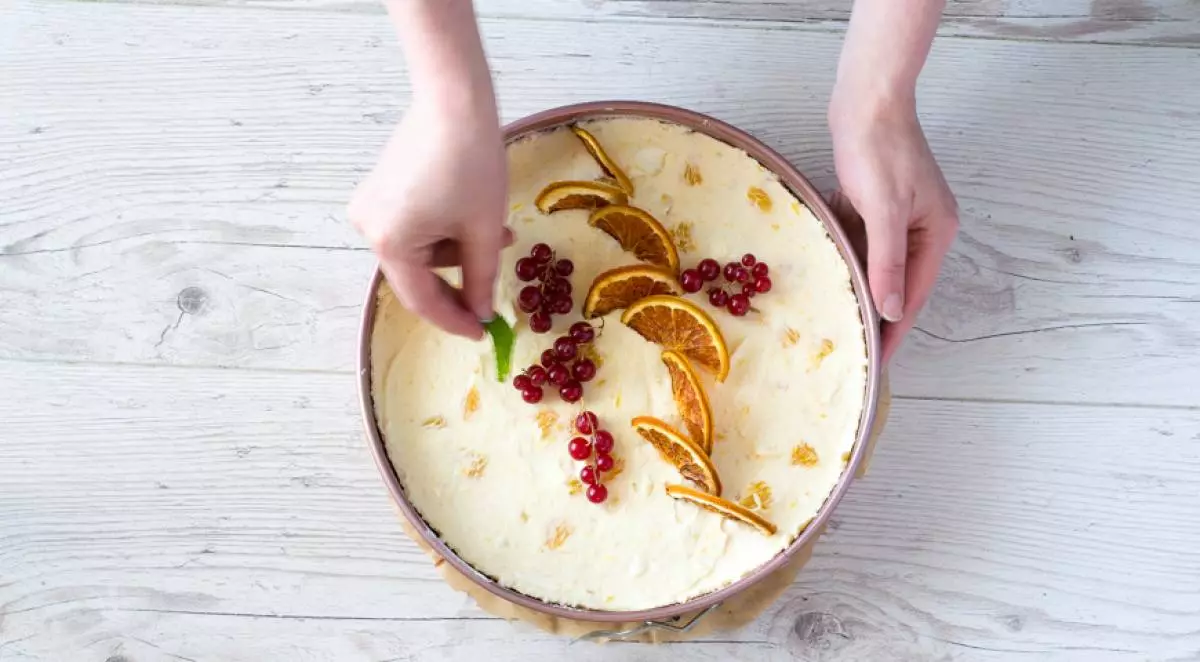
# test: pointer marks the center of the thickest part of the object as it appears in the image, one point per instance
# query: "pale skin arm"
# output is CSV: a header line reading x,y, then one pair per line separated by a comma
x,y
884,164
437,194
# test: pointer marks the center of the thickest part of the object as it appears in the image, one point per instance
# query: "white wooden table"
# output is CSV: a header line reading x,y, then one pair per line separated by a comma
x,y
182,473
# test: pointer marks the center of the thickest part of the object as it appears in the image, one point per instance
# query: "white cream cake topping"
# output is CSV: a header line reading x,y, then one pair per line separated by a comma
x,y
491,473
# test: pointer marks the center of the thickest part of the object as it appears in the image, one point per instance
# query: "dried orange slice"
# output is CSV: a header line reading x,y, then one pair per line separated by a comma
x,y
602,158
678,324
578,195
617,288
691,460
690,399
638,233
722,507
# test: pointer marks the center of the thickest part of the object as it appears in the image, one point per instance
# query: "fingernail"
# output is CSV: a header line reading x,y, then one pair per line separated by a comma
x,y
484,312
893,308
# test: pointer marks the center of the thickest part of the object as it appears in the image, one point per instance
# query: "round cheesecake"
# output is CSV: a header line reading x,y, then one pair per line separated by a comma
x,y
491,474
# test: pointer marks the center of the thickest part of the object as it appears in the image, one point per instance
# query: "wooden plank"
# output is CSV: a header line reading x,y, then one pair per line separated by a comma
x,y
1154,22
186,513
181,200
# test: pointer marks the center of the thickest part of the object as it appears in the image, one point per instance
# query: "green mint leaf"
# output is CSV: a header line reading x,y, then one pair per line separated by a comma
x,y
502,344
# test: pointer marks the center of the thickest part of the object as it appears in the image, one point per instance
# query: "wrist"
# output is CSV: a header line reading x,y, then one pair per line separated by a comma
x,y
855,101
446,62
884,51
460,98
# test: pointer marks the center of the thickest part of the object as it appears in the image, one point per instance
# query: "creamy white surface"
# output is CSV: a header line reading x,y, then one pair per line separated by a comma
x,y
642,548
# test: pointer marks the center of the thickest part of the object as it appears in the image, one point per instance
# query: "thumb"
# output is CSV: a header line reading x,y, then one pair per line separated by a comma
x,y
887,250
480,261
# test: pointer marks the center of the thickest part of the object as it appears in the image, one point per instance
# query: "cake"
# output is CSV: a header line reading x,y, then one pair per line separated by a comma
x,y
496,475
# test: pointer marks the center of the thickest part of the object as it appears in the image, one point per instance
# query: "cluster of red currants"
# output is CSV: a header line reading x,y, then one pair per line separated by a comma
x,y
563,365
596,450
745,280
552,294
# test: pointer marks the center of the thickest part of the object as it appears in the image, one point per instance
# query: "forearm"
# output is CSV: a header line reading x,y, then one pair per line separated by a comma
x,y
446,62
885,48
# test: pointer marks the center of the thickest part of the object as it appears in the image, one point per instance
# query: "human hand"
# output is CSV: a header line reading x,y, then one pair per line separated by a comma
x,y
436,198
887,172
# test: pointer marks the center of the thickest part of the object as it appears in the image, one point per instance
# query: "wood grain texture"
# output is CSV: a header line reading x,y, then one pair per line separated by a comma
x,y
1151,22
155,513
180,199
172,182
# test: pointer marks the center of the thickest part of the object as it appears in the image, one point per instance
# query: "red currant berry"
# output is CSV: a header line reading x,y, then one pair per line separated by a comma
x,y
709,269
748,260
579,448
572,391
562,305
532,395
604,441
739,304
558,374
558,286
548,359
564,267
718,297
587,475
762,284
541,253
597,493
604,462
522,382
537,375
582,332
530,299
526,269
585,422
730,271
691,280
539,322
742,275
749,290
564,348
760,270
584,370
